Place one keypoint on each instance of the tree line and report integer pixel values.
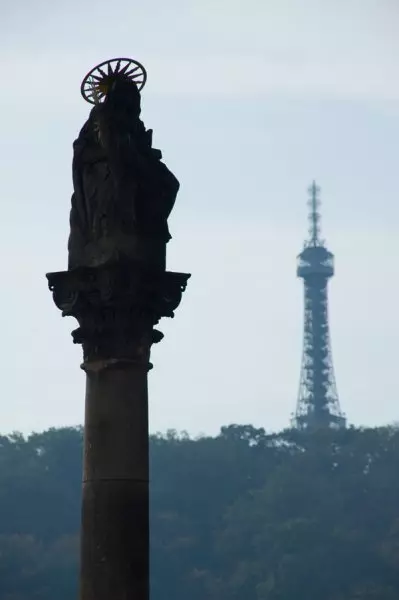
(244, 515)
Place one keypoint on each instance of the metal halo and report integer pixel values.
(94, 85)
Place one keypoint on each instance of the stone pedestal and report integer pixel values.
(117, 307)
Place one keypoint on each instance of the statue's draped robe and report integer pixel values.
(123, 193)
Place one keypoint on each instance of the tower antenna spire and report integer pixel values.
(314, 215)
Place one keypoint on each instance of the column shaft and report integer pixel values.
(115, 519)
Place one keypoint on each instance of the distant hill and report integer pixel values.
(241, 516)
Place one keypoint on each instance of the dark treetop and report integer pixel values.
(123, 193)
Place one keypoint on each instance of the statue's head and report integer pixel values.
(124, 94)
(117, 83)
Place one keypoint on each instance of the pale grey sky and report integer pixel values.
(249, 101)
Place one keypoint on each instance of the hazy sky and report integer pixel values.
(249, 101)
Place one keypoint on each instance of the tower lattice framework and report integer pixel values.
(318, 404)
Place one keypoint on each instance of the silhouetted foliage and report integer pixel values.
(241, 516)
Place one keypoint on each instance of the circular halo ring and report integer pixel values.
(95, 85)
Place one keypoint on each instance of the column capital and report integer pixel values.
(117, 306)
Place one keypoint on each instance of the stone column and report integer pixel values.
(116, 307)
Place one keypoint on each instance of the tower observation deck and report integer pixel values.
(318, 404)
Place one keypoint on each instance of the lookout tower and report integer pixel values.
(318, 404)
